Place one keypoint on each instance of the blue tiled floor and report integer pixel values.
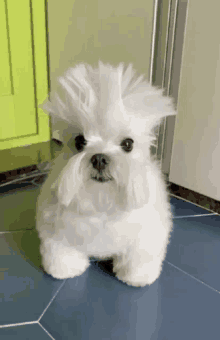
(184, 303)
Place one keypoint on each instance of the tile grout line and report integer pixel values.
(211, 214)
(193, 277)
(16, 231)
(51, 301)
(185, 200)
(19, 324)
(38, 321)
(46, 331)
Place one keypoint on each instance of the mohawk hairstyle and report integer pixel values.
(86, 95)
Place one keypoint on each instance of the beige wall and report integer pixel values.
(89, 30)
(195, 160)
(85, 30)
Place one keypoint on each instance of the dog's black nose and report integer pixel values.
(99, 161)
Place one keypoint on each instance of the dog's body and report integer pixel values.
(106, 198)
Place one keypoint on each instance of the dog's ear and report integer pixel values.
(65, 186)
(65, 195)
(70, 181)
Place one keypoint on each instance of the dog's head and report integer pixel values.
(112, 114)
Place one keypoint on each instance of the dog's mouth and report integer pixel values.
(101, 179)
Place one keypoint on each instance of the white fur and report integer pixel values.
(127, 218)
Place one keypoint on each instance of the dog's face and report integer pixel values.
(106, 163)
(101, 163)
(115, 113)
(113, 165)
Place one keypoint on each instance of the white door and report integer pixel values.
(195, 162)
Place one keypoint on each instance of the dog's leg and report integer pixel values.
(62, 261)
(142, 264)
(137, 272)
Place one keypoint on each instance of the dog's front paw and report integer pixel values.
(66, 267)
(140, 277)
(136, 281)
(65, 273)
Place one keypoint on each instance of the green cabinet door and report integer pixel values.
(24, 128)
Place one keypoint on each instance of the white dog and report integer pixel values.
(105, 196)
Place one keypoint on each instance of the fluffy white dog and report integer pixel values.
(105, 197)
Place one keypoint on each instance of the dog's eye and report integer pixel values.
(80, 142)
(127, 144)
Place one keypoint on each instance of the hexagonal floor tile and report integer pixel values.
(24, 290)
